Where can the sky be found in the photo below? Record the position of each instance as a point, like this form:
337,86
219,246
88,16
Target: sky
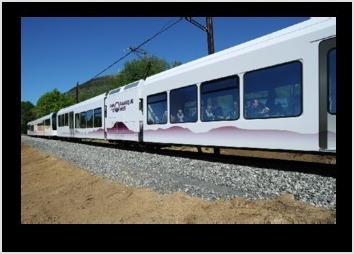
58,52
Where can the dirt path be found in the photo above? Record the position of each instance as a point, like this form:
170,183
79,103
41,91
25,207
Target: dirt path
54,191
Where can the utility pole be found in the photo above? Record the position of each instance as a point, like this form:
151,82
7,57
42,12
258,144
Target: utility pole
77,92
211,50
208,30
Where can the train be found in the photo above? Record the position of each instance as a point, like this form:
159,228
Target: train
275,92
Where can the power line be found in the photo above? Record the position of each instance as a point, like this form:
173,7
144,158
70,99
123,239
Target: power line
135,48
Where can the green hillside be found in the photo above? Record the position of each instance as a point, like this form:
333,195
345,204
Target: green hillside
133,71
94,87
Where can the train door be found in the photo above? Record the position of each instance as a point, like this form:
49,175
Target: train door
54,121
141,124
71,124
327,92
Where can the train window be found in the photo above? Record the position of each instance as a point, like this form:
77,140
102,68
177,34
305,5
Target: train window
66,123
77,120
134,84
59,121
114,91
47,122
157,108
220,99
83,120
89,118
54,121
273,92
32,127
332,70
40,126
97,117
183,104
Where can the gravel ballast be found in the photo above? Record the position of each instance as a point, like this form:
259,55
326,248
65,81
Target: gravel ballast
205,179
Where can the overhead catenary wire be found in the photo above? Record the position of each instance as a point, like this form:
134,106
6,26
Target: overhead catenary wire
167,26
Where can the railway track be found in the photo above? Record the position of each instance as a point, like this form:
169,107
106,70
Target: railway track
320,164
200,174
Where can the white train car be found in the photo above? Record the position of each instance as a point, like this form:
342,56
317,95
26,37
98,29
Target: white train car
83,120
124,113
274,92
44,126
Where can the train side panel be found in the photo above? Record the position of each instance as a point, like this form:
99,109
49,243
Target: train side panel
44,126
83,120
124,117
280,70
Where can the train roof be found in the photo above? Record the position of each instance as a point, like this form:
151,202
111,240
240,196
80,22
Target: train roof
72,107
263,41
41,119
124,88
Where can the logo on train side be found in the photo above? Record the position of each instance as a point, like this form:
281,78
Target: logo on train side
120,105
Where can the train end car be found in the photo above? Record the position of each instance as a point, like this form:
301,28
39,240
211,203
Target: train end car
45,126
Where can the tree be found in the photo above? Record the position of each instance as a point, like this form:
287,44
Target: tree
176,63
27,114
133,70
52,102
136,69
